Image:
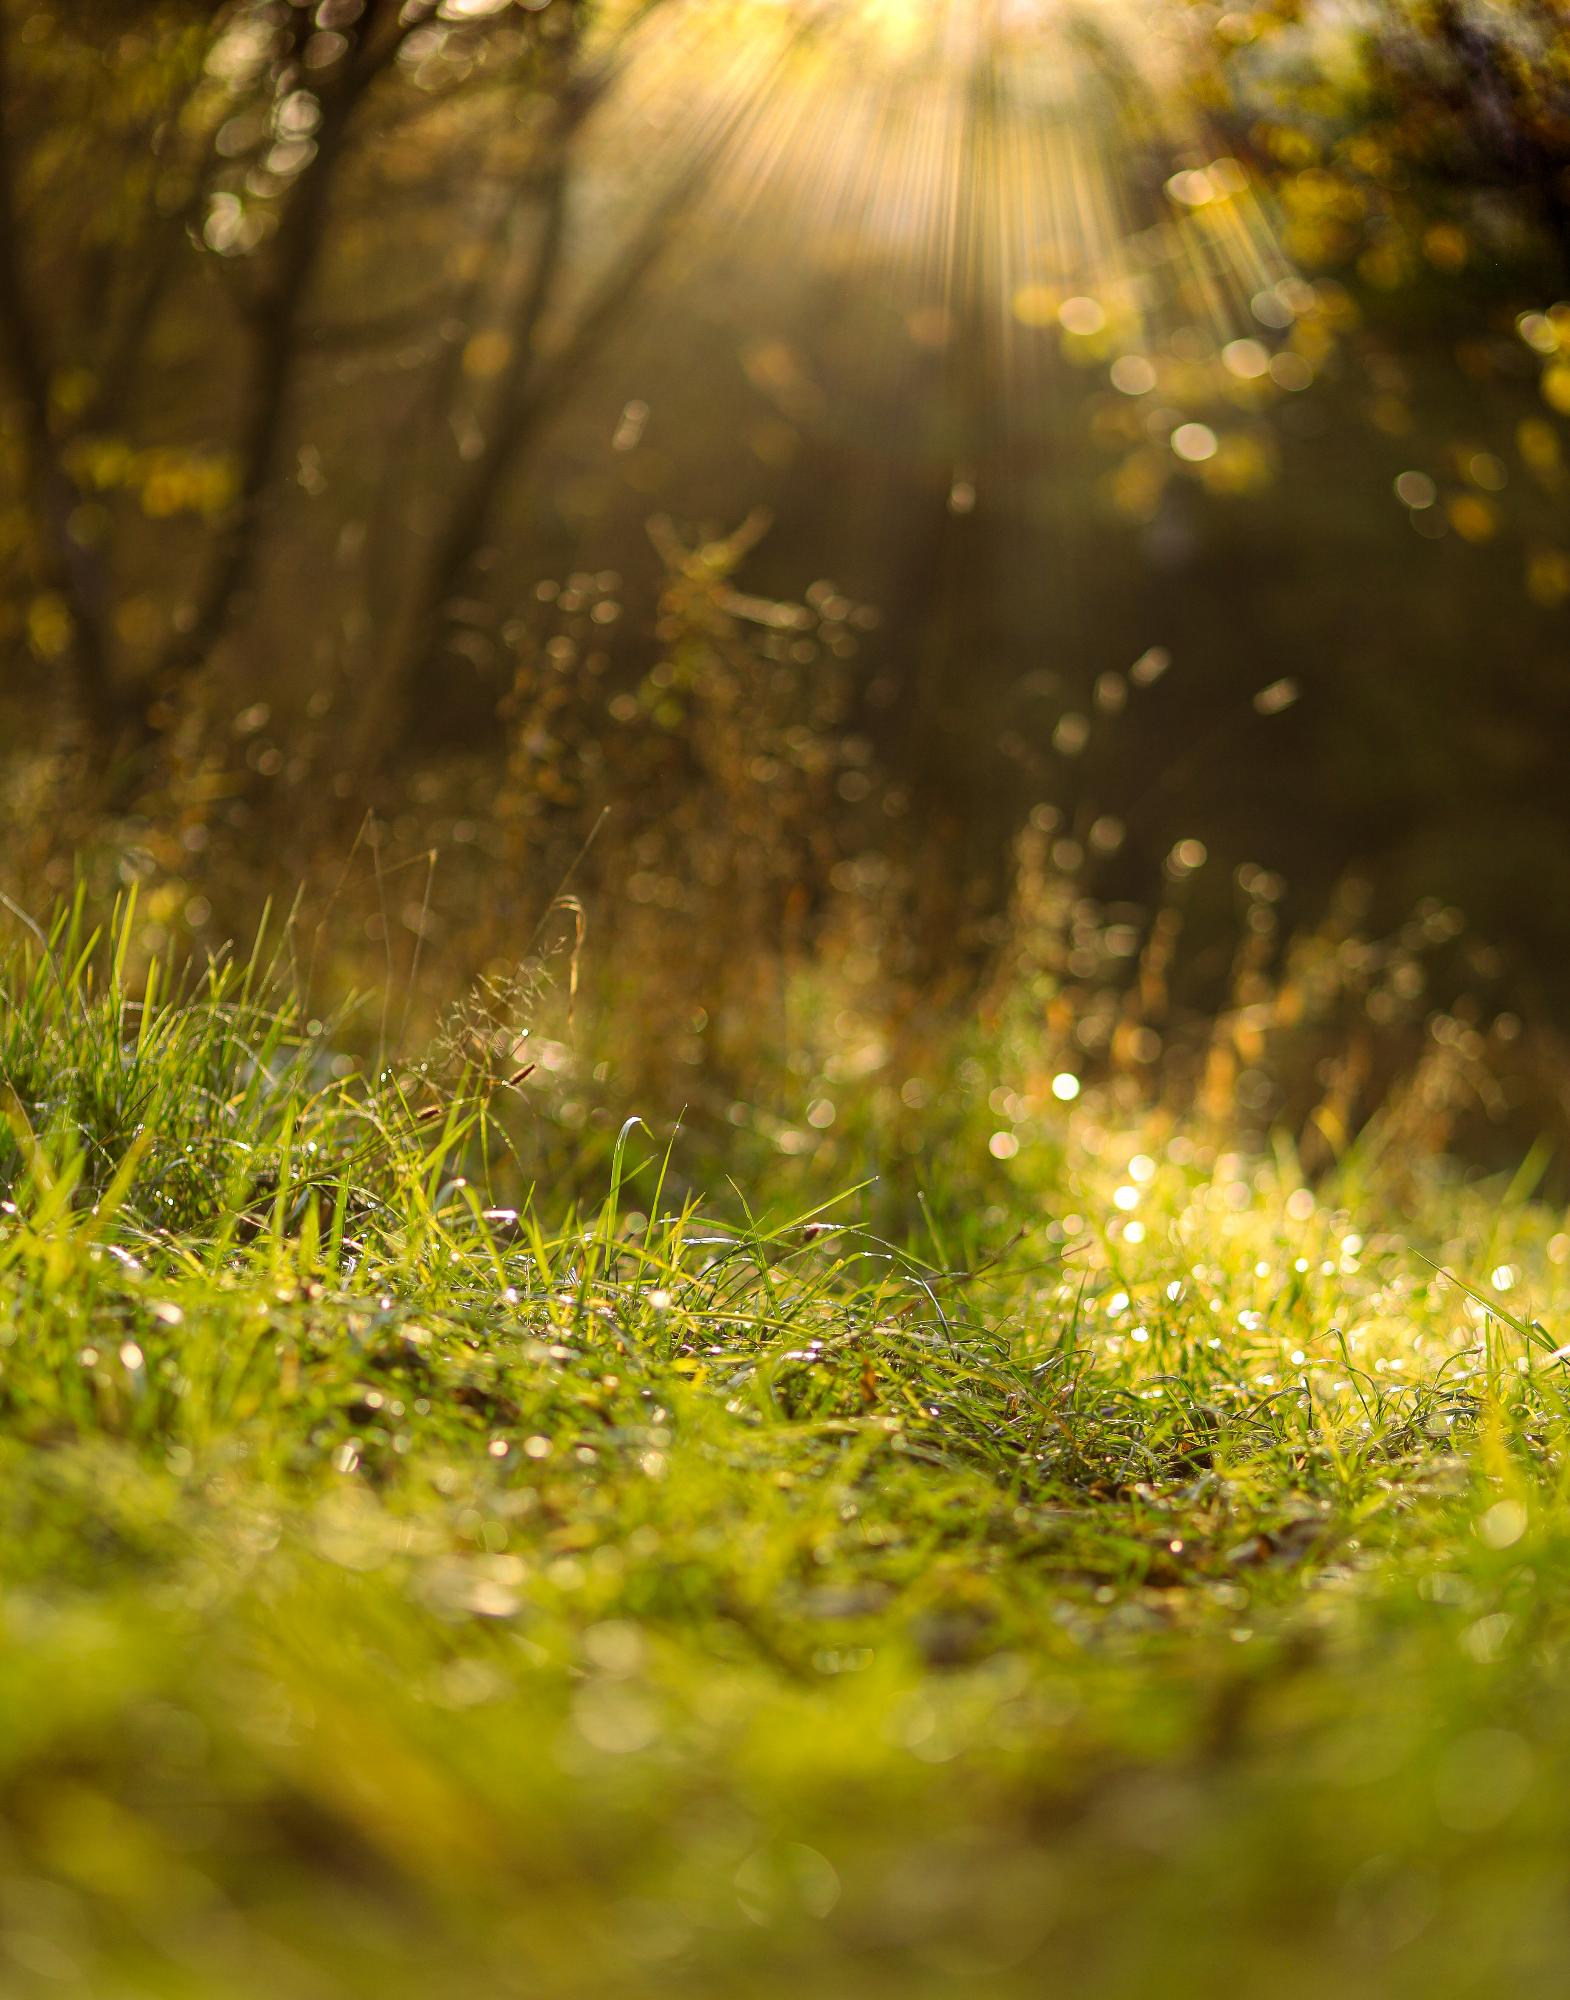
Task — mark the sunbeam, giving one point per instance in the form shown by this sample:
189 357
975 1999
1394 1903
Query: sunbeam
1010 185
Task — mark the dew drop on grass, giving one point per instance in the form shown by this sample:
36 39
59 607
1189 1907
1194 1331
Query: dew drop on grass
1503 1525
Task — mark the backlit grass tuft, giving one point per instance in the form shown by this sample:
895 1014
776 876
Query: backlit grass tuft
1132 1565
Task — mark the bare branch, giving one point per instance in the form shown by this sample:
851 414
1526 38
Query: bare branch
536 383
71 570
154 269
277 329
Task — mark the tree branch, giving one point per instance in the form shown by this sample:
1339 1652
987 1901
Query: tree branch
277 338
154 268
68 569
537 382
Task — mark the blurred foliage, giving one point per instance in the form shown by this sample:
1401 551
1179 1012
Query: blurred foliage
1425 158
351 350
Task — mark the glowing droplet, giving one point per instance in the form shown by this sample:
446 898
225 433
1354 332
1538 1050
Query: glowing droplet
1291 371
1133 375
1538 331
1503 1525
1081 315
1193 188
1247 359
1194 443
1278 696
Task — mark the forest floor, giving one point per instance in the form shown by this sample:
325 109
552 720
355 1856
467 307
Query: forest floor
406 1590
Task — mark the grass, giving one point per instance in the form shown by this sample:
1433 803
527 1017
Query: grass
1130 1568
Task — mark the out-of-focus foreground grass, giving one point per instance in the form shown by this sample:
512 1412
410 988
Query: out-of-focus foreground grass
1138 1566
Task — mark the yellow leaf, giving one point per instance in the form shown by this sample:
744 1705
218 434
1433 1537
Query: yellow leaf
49 626
1474 519
486 355
1556 387
1548 577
